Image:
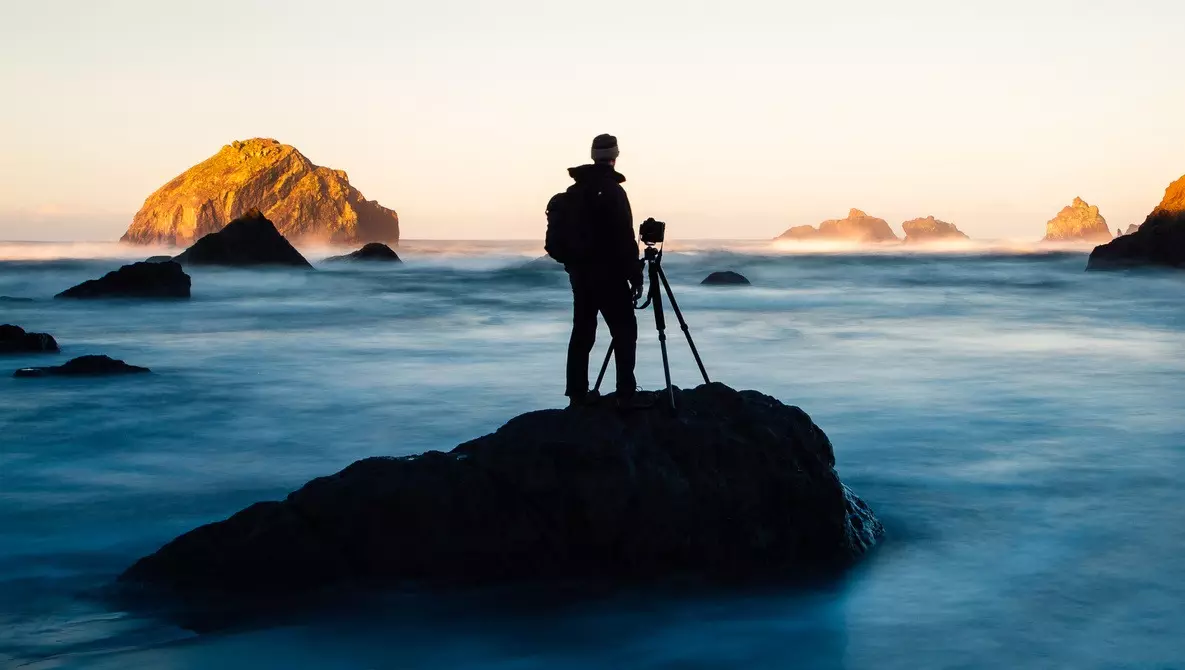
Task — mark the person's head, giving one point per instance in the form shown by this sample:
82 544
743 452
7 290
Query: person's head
604 149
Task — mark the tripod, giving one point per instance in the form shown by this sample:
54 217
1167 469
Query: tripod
653 260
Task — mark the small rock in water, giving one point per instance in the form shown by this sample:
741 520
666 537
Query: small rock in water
14 340
8 298
83 366
158 259
375 251
250 240
138 280
726 277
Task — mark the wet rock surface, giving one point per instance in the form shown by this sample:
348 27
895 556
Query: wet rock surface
737 485
14 340
726 277
248 241
83 366
373 252
138 280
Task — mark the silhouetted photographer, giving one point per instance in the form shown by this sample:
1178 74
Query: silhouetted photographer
590 230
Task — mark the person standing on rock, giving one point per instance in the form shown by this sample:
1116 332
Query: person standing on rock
605 273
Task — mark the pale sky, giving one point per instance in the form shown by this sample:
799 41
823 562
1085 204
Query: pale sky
736 119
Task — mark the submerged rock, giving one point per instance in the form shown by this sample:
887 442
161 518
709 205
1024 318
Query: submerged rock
738 485
138 280
158 259
247 241
857 227
725 277
307 202
14 340
83 366
375 251
1159 241
8 298
1077 222
930 229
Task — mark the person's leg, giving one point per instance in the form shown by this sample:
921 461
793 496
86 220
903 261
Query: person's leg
584 336
617 305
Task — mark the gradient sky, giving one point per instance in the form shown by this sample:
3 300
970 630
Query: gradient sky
736 119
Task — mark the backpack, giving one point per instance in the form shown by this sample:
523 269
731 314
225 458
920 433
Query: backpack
567 238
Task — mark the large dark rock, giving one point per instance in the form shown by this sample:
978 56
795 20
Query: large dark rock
726 277
247 241
738 485
83 366
138 280
1159 241
375 251
14 340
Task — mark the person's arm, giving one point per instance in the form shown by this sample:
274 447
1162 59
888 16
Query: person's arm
625 242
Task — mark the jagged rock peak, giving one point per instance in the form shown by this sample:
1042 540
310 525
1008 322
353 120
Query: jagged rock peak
305 201
1078 221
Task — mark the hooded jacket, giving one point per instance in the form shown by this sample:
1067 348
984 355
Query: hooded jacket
610 222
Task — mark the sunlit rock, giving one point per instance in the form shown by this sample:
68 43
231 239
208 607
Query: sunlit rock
930 229
1159 241
1077 222
857 227
306 202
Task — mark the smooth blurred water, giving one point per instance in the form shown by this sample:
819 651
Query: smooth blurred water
1016 422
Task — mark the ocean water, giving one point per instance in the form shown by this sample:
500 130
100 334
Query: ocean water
1015 422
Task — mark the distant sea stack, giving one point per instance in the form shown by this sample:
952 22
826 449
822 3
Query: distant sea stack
306 202
858 227
931 229
1078 222
1159 241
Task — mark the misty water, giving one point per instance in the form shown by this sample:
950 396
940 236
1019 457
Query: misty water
1014 421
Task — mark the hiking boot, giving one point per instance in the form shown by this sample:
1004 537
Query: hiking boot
586 399
636 400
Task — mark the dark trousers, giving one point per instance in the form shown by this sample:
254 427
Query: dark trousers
610 296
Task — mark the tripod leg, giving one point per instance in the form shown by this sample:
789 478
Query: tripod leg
604 367
660 323
683 324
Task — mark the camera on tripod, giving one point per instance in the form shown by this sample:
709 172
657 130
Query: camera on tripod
652 232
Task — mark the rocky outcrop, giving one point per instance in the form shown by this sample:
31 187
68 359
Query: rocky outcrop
83 366
726 277
931 229
1159 241
737 485
138 280
1077 222
1131 229
250 240
857 227
375 251
14 340
306 202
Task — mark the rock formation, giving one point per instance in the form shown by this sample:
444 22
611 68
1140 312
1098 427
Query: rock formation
1077 222
138 280
249 240
737 485
930 229
725 277
1131 229
858 227
1159 241
307 202
14 340
375 251
83 366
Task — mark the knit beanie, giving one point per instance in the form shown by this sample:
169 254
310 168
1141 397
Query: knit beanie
604 148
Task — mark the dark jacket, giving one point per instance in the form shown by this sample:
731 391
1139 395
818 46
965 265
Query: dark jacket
609 222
